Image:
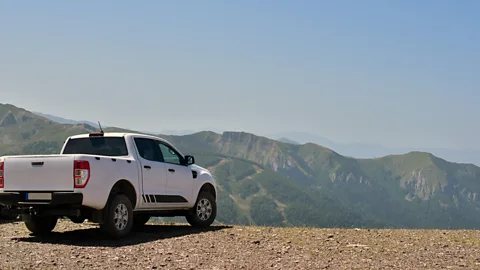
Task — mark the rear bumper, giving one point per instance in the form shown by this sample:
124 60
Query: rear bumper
58 199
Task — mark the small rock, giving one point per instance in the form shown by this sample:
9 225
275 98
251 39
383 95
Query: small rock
330 236
357 245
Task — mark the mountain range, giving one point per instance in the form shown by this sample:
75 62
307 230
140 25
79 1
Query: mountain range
263 181
62 120
351 149
373 150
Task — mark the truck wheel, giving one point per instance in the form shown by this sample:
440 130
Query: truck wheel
203 212
118 217
11 217
4 215
41 225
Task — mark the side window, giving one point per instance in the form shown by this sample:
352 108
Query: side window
169 155
148 150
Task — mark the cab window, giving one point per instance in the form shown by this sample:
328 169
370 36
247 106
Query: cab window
148 150
170 155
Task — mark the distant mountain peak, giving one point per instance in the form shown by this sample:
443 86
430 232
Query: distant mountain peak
62 120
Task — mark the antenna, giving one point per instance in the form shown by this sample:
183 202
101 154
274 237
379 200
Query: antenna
101 130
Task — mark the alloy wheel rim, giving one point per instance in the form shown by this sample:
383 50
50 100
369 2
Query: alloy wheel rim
204 209
120 216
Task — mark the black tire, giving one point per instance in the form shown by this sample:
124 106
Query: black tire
11 217
41 225
203 212
139 221
5 216
118 228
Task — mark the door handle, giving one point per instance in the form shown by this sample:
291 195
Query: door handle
147 167
171 170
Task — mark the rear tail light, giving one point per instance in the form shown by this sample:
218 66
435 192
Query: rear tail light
81 173
2 177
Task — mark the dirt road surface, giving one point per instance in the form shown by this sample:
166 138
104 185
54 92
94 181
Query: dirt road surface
157 246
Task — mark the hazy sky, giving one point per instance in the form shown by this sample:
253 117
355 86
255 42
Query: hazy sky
399 73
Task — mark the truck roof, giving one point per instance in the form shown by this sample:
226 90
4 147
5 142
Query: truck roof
119 134
126 134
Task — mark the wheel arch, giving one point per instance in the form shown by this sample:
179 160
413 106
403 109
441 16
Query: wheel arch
124 186
208 187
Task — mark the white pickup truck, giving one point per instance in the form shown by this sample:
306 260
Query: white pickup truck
118 180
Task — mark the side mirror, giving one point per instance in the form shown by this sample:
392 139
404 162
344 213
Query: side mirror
189 160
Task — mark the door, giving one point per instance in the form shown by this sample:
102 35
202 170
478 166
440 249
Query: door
154 172
179 176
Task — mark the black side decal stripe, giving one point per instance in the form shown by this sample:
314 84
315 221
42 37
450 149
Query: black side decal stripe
170 198
149 198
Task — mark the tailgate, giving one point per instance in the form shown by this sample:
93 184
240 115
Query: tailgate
42 173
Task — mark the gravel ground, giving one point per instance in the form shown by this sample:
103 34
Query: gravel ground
77 246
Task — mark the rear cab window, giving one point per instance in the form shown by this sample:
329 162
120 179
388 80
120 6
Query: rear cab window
102 146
